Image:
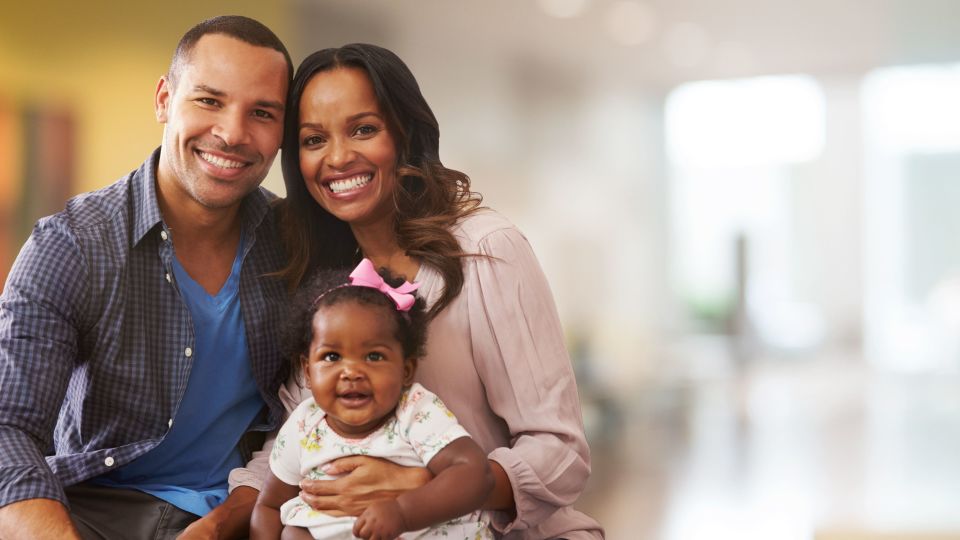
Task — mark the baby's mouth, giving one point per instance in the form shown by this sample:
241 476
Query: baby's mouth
354 399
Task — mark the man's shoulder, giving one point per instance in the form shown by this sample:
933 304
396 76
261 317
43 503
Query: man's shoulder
94 208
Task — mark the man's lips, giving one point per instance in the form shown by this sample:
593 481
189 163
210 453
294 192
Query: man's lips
223 161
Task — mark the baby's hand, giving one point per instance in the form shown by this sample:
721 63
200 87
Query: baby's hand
380 521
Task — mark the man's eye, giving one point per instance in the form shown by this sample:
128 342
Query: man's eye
207 101
260 113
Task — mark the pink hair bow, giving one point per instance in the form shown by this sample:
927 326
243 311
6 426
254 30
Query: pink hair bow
365 275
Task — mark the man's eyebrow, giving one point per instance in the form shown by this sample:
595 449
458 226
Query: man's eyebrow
266 104
209 90
277 105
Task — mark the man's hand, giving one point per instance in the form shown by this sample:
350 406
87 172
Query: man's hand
229 520
367 481
381 521
201 529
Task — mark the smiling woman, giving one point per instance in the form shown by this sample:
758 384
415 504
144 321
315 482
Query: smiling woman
364 179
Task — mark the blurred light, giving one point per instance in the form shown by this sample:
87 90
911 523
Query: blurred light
745 122
563 9
631 23
731 57
686 45
914 108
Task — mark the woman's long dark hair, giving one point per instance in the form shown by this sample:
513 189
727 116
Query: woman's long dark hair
429 198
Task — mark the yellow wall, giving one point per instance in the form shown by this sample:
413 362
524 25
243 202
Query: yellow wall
103 60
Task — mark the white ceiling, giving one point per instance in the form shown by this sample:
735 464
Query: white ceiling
687 39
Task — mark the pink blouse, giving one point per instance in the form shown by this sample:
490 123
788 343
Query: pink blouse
496 357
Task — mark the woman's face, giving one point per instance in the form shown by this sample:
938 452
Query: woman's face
347 155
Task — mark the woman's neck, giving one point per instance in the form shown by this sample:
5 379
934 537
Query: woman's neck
380 244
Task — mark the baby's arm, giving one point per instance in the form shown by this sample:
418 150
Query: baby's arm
265 523
462 481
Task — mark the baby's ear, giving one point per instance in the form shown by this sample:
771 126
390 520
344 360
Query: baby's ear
409 370
303 367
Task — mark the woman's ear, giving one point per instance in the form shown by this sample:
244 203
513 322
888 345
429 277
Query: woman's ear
409 370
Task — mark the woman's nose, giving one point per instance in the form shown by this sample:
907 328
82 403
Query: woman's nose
339 153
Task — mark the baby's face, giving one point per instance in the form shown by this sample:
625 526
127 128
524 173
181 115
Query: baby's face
355 367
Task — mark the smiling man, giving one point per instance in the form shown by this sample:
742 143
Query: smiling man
138 362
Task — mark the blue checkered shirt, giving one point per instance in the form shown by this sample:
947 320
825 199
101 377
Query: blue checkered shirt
96 342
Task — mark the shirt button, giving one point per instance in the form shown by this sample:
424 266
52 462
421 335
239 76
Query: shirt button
164 235
168 277
188 352
108 462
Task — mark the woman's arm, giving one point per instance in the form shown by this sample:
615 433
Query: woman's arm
265 523
521 358
366 481
461 484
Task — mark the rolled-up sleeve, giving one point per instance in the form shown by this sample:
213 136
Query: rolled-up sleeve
520 354
39 316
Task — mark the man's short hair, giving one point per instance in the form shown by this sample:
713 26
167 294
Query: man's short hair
236 26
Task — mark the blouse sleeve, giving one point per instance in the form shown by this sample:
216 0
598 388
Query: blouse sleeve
255 471
285 454
519 351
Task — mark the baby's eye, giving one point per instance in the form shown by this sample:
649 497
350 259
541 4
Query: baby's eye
374 357
329 357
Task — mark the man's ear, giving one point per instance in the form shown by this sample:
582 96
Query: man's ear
161 101
409 370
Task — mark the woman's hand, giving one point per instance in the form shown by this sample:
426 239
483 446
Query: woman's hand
367 480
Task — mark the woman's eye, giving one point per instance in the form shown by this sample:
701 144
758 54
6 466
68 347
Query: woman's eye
330 357
374 357
313 140
366 129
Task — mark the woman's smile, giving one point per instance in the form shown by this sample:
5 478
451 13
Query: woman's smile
347 155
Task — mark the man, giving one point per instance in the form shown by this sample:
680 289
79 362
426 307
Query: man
138 354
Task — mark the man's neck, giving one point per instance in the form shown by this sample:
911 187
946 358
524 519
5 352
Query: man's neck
205 240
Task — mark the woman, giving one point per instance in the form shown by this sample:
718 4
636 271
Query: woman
364 179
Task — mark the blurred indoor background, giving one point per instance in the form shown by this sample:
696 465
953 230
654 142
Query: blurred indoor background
748 210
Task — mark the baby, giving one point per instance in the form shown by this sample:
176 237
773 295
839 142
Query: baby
358 355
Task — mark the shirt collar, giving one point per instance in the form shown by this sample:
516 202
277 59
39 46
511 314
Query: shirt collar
253 208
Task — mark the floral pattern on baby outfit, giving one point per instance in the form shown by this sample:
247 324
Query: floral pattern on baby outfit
421 426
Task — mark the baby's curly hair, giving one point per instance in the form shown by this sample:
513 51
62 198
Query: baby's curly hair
330 287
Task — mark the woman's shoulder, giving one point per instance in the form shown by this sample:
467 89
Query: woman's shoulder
475 228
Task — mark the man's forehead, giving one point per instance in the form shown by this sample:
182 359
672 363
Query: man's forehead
224 65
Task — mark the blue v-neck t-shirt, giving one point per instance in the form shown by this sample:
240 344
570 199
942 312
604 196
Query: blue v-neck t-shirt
189 467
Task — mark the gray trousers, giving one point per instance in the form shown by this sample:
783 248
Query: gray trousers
108 513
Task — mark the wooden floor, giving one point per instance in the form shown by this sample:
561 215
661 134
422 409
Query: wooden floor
791 449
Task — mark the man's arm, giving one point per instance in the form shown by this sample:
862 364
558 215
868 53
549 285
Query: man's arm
39 519
227 521
40 310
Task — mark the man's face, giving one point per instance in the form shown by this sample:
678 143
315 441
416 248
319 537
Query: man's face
224 121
